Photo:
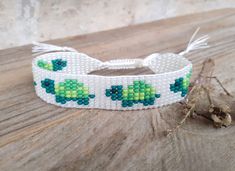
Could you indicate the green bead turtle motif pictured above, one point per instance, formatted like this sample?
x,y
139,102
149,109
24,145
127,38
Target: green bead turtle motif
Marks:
x,y
181,84
69,90
139,92
54,65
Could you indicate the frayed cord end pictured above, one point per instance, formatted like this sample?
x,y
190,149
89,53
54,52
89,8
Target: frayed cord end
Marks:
x,y
47,48
199,43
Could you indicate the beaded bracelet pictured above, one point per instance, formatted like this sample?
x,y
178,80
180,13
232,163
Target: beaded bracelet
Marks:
x,y
62,78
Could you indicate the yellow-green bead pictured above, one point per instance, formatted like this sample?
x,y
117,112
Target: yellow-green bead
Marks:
x,y
74,95
125,94
136,98
130,91
85,92
85,88
147,89
79,88
50,67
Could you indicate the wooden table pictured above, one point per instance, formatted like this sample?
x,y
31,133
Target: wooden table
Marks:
x,y
38,136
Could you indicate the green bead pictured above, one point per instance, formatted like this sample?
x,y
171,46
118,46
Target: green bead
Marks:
x,y
130,98
147,93
136,82
79,92
79,95
131,95
80,84
147,97
136,90
130,87
85,95
147,85
125,98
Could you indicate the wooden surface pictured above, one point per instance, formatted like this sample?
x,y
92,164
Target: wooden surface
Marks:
x,y
37,136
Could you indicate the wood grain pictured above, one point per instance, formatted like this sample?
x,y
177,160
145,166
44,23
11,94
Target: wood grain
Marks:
x,y
38,136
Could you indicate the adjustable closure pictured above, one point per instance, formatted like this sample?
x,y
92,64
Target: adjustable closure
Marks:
x,y
123,64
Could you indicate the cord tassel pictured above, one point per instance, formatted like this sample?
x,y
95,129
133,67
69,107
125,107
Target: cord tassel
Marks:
x,y
46,48
199,43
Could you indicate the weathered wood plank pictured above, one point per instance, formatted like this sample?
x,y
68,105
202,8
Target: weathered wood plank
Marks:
x,y
38,136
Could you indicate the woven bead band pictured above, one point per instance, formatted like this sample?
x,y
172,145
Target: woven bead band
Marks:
x,y
62,78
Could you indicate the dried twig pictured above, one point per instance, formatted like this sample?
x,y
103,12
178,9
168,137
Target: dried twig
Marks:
x,y
153,123
218,114
190,112
221,85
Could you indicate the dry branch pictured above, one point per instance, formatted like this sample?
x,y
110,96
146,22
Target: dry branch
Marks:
x,y
200,102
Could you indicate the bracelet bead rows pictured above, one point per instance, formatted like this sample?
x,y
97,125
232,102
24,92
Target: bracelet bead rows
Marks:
x,y
62,78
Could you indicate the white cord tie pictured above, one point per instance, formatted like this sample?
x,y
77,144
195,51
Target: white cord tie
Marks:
x,y
200,43
123,64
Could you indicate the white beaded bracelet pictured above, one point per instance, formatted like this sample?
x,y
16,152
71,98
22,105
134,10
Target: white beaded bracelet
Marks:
x,y
62,78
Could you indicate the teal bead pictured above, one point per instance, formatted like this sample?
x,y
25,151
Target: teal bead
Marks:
x,y
119,87
145,103
135,101
130,103
151,102
86,102
113,97
107,94
92,96
63,102
80,102
113,87
124,105
157,95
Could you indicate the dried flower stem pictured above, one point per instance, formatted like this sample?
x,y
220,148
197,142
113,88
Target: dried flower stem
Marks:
x,y
190,112
221,85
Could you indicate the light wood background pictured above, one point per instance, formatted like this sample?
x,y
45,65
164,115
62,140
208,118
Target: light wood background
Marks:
x,y
37,136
